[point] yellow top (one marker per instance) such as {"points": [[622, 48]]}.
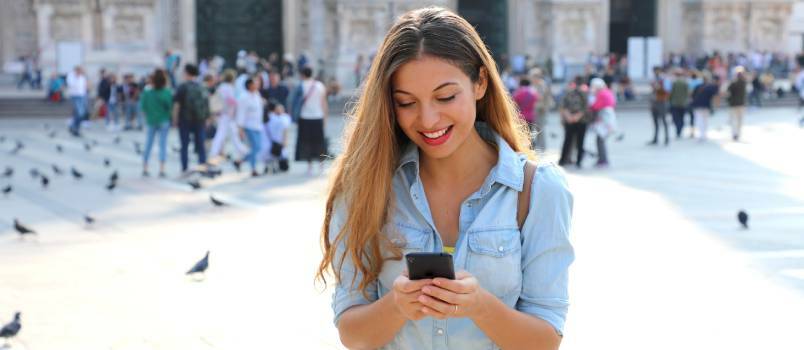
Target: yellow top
{"points": [[450, 250]]}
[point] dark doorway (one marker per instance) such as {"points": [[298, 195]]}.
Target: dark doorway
{"points": [[629, 18], [224, 27], [490, 19]]}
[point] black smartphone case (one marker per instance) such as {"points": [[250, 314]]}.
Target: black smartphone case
{"points": [[429, 265]]}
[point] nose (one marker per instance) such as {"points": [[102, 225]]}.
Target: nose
{"points": [[429, 116]]}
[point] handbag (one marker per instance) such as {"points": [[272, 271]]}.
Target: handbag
{"points": [[276, 149]]}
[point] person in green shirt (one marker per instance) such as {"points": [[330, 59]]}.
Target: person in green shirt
{"points": [[156, 102], [679, 100]]}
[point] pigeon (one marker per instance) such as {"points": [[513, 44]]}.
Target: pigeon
{"points": [[89, 220], [8, 172], [52, 134], [59, 148], [34, 172], [45, 181], [201, 266], [107, 162], [94, 143], [76, 174], [620, 137], [195, 184], [111, 186], [17, 148], [742, 217], [57, 170], [237, 164], [114, 177], [137, 148], [87, 147], [22, 230], [6, 190], [216, 202], [2, 139], [46, 126], [12, 328], [116, 140]]}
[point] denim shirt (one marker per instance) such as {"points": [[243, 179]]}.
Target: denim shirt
{"points": [[527, 270]]}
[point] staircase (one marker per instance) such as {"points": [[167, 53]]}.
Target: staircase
{"points": [[22, 107]]}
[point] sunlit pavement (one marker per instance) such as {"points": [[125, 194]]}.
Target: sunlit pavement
{"points": [[661, 260]]}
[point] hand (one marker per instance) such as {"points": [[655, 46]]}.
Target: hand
{"points": [[406, 294], [461, 297]]}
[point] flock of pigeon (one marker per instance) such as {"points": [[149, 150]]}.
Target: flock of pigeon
{"points": [[198, 270]]}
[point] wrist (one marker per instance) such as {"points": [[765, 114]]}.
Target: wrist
{"points": [[394, 311], [486, 303]]}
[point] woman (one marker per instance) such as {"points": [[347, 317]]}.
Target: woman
{"points": [[156, 103], [434, 160], [605, 120], [311, 102], [526, 98], [249, 118], [226, 128]]}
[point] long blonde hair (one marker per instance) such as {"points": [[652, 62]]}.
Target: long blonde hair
{"points": [[373, 141]]}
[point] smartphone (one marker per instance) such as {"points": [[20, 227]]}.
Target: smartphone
{"points": [[430, 265]]}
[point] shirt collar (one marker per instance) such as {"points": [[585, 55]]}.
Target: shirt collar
{"points": [[508, 171]]}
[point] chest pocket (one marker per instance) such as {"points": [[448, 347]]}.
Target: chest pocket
{"points": [[408, 238], [495, 259]]}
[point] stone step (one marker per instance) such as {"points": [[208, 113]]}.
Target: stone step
{"points": [[16, 107]]}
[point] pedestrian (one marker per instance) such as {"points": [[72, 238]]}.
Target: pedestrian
{"points": [[679, 102], [278, 129], [276, 91], [249, 118], [27, 75], [605, 123], [658, 105], [311, 104], [695, 80], [77, 87], [755, 97], [704, 99], [799, 84], [172, 63], [543, 105], [525, 98], [190, 112], [103, 93], [156, 104], [737, 91], [436, 163], [574, 116], [226, 127], [131, 99]]}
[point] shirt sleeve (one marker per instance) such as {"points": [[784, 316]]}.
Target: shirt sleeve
{"points": [[546, 249], [347, 294]]}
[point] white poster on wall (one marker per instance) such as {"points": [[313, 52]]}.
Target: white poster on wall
{"points": [[636, 58], [653, 52], [68, 55]]}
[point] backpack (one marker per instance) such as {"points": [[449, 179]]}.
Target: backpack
{"points": [[196, 103]]}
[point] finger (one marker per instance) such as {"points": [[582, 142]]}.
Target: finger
{"points": [[436, 304], [441, 294], [428, 311], [462, 286], [412, 286]]}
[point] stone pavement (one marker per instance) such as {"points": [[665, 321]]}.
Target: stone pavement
{"points": [[661, 262]]}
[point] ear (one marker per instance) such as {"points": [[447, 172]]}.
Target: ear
{"points": [[482, 83]]}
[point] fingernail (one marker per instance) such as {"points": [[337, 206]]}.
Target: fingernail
{"points": [[426, 290], [437, 282]]}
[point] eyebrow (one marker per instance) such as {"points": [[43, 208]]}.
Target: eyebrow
{"points": [[439, 87]]}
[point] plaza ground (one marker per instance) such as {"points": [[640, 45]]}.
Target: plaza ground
{"points": [[661, 260]]}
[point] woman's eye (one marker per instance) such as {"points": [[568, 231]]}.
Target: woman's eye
{"points": [[404, 104], [447, 99]]}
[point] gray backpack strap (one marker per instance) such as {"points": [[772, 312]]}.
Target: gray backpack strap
{"points": [[523, 205]]}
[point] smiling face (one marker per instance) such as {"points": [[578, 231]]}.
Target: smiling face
{"points": [[435, 104]]}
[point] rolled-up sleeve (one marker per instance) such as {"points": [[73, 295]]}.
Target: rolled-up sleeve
{"points": [[546, 249], [347, 294]]}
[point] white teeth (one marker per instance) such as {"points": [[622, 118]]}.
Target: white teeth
{"points": [[435, 135]]}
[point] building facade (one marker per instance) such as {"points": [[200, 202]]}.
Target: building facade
{"points": [[133, 35]]}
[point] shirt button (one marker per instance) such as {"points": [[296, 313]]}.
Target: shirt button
{"points": [[440, 331]]}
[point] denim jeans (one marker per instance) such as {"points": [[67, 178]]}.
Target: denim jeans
{"points": [[162, 129], [198, 133], [112, 112], [254, 143], [79, 109]]}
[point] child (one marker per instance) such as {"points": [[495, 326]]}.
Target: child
{"points": [[277, 131]]}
